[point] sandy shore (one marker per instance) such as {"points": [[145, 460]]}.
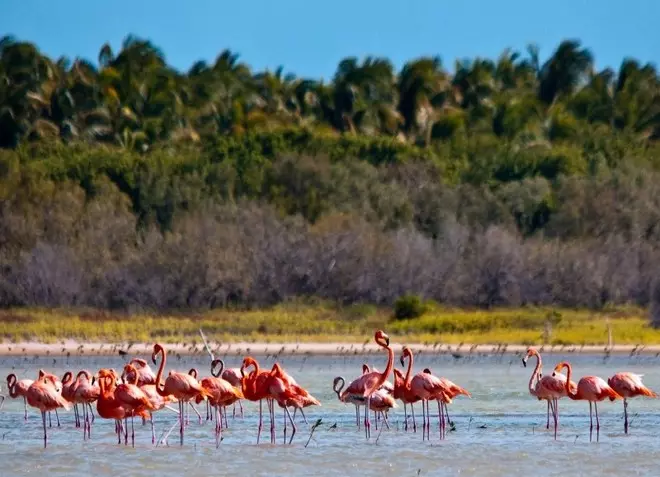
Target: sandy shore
{"points": [[240, 349]]}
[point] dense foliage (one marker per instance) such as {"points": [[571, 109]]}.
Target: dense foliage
{"points": [[129, 184]]}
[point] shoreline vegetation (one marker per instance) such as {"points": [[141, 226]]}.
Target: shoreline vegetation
{"points": [[126, 184], [325, 329]]}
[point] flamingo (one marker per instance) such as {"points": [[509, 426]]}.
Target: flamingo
{"points": [[429, 387], [180, 385], [233, 377], [405, 395], [157, 401], [85, 393], [549, 388], [356, 401], [367, 384], [18, 388], [453, 391], [44, 395], [589, 388], [133, 400], [253, 386], [58, 384], [142, 373], [629, 385], [109, 407], [303, 399], [220, 392]]}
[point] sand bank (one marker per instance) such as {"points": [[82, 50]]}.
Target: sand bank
{"points": [[74, 348]]}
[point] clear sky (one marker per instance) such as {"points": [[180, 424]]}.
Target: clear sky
{"points": [[309, 37]]}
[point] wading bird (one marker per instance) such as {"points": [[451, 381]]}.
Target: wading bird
{"points": [[589, 388], [367, 384], [549, 388], [182, 386], [629, 385], [44, 394]]}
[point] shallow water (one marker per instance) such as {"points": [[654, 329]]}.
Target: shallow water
{"points": [[500, 431]]}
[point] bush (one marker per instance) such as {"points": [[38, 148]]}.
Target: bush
{"points": [[409, 306]]}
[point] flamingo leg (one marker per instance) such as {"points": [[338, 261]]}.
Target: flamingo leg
{"points": [[57, 416], [284, 415], [43, 418], [153, 429], [25, 407], [405, 416], [367, 421], [182, 411], [357, 416], [625, 415], [50, 420], [591, 422], [260, 420], [91, 411], [271, 416], [240, 405], [412, 413], [218, 419], [447, 413], [423, 421], [84, 423], [441, 416], [556, 415], [223, 414], [302, 413], [376, 420], [547, 425], [387, 424], [133, 429], [75, 415], [597, 422], [293, 424], [2, 403]]}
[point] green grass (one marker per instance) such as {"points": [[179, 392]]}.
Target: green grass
{"points": [[330, 323]]}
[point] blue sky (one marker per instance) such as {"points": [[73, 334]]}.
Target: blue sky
{"points": [[310, 37]]}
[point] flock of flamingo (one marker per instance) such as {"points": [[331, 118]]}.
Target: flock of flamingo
{"points": [[138, 392]]}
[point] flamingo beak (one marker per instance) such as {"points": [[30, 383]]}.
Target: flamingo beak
{"points": [[524, 360]]}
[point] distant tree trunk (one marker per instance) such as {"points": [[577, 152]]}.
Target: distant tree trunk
{"points": [[654, 306]]}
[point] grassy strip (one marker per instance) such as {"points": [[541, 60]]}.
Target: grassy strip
{"points": [[328, 323]]}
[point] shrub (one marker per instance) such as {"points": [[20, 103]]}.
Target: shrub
{"points": [[409, 306]]}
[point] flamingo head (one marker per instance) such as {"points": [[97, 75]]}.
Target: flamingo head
{"points": [[85, 373], [247, 362], [11, 380], [530, 352], [214, 364], [67, 377], [130, 371], [427, 371], [158, 348], [381, 337], [193, 372], [335, 382], [365, 368], [405, 353], [558, 368]]}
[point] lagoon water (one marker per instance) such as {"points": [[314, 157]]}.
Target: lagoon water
{"points": [[499, 432]]}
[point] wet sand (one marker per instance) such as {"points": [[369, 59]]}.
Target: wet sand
{"points": [[74, 348]]}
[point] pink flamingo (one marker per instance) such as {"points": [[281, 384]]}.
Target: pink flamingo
{"points": [[629, 385], [233, 377], [180, 385], [427, 388], [44, 395], [367, 384], [548, 388], [589, 388], [85, 393], [18, 388]]}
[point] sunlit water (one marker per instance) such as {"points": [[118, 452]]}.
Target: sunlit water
{"points": [[500, 431]]}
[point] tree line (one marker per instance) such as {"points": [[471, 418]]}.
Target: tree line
{"points": [[128, 184]]}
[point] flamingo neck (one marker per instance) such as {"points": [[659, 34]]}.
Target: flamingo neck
{"points": [[407, 379], [569, 371], [13, 393], [160, 387], [535, 374]]}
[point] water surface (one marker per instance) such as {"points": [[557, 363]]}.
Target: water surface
{"points": [[499, 432]]}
